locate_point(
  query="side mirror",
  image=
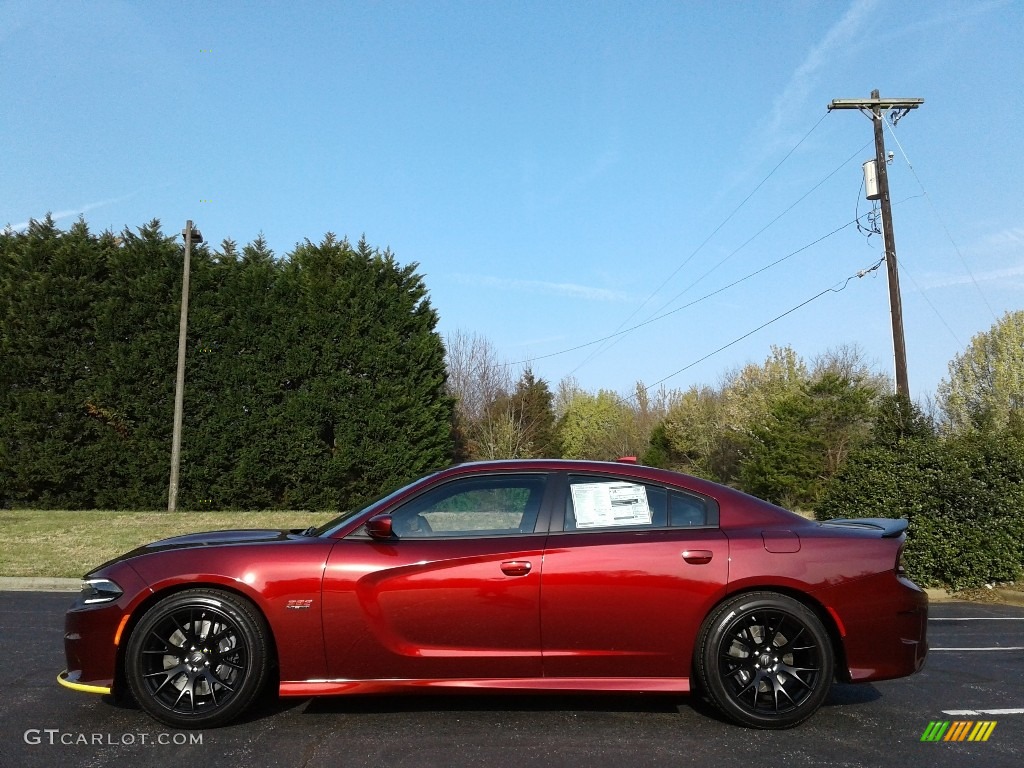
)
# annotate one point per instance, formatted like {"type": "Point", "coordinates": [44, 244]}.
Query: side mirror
{"type": "Point", "coordinates": [380, 528]}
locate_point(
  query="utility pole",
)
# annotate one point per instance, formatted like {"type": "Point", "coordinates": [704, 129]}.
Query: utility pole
{"type": "Point", "coordinates": [873, 108]}
{"type": "Point", "coordinates": [191, 236]}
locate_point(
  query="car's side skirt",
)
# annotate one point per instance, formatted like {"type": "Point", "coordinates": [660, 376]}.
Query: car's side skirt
{"type": "Point", "coordinates": [525, 684]}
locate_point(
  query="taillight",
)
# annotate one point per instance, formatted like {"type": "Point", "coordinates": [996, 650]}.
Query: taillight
{"type": "Point", "coordinates": [900, 570]}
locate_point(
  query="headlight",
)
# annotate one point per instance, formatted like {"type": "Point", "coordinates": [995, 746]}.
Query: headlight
{"type": "Point", "coordinates": [99, 591]}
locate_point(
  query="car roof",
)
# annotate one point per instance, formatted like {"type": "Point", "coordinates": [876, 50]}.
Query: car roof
{"type": "Point", "coordinates": [626, 469]}
{"type": "Point", "coordinates": [743, 509]}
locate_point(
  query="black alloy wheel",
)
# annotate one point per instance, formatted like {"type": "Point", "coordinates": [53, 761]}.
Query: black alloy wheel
{"type": "Point", "coordinates": [765, 660]}
{"type": "Point", "coordinates": [197, 659]}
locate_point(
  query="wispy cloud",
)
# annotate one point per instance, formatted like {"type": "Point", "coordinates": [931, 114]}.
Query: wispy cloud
{"type": "Point", "coordinates": [946, 17]}
{"type": "Point", "coordinates": [1011, 236]}
{"type": "Point", "coordinates": [778, 128]}
{"type": "Point", "coordinates": [839, 36]}
{"type": "Point", "coordinates": [57, 216]}
{"type": "Point", "coordinates": [572, 290]}
{"type": "Point", "coordinates": [948, 281]}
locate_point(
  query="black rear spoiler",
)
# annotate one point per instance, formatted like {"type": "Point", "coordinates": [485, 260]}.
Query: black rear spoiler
{"type": "Point", "coordinates": [890, 528]}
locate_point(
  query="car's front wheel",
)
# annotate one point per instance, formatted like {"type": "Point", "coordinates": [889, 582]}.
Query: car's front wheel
{"type": "Point", "coordinates": [765, 660]}
{"type": "Point", "coordinates": [197, 658]}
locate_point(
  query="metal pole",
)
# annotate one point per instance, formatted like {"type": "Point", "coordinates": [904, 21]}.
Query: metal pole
{"type": "Point", "coordinates": [899, 343]}
{"type": "Point", "coordinates": [179, 385]}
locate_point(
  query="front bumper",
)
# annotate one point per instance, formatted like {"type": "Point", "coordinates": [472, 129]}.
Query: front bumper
{"type": "Point", "coordinates": [70, 680]}
{"type": "Point", "coordinates": [92, 632]}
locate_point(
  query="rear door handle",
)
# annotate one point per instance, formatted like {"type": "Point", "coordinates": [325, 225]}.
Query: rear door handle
{"type": "Point", "coordinates": [698, 556]}
{"type": "Point", "coordinates": [516, 567]}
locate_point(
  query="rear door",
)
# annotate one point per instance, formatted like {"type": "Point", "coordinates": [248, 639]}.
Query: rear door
{"type": "Point", "coordinates": [629, 578]}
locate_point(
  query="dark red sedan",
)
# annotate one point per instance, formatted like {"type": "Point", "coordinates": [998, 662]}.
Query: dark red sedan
{"type": "Point", "coordinates": [541, 575]}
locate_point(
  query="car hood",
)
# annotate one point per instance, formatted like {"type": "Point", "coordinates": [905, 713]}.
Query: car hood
{"type": "Point", "coordinates": [220, 537]}
{"type": "Point", "coordinates": [207, 539]}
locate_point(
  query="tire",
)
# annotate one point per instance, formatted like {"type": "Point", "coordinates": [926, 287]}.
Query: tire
{"type": "Point", "coordinates": [765, 660]}
{"type": "Point", "coordinates": [197, 659]}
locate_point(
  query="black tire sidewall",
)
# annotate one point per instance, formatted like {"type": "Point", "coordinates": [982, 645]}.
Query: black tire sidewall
{"type": "Point", "coordinates": [250, 625]}
{"type": "Point", "coordinates": [708, 675]}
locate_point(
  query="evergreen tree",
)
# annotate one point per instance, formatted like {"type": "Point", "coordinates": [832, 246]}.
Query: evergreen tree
{"type": "Point", "coordinates": [369, 407]}
{"type": "Point", "coordinates": [137, 342]}
{"type": "Point", "coordinates": [534, 400]}
{"type": "Point", "coordinates": [49, 281]}
{"type": "Point", "coordinates": [517, 425]}
{"type": "Point", "coordinates": [311, 381]}
{"type": "Point", "coordinates": [806, 440]}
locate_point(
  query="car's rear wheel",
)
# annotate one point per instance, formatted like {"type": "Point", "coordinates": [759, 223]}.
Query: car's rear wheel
{"type": "Point", "coordinates": [765, 660]}
{"type": "Point", "coordinates": [197, 659]}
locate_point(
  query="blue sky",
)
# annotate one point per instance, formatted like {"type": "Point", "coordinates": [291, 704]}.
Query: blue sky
{"type": "Point", "coordinates": [558, 170]}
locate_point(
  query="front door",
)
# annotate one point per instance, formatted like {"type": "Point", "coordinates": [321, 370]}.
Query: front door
{"type": "Point", "coordinates": [456, 595]}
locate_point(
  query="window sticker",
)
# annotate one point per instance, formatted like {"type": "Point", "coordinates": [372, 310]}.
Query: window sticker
{"type": "Point", "coordinates": [602, 505]}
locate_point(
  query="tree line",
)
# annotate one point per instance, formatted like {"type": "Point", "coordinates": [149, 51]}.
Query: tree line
{"type": "Point", "coordinates": [780, 429]}
{"type": "Point", "coordinates": [318, 379]}
{"type": "Point", "coordinates": [826, 437]}
{"type": "Point", "coordinates": [312, 381]}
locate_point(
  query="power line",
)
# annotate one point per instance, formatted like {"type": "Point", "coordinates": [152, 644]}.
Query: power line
{"type": "Point", "coordinates": [729, 256]}
{"type": "Point", "coordinates": [775, 319]}
{"type": "Point", "coordinates": [910, 274]}
{"type": "Point", "coordinates": [706, 240]}
{"type": "Point", "coordinates": [769, 224]}
{"type": "Point", "coordinates": [656, 318]}
{"type": "Point", "coordinates": [935, 212]}
{"type": "Point", "coordinates": [938, 314]}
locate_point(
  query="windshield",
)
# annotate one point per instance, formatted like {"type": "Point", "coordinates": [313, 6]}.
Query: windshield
{"type": "Point", "coordinates": [331, 526]}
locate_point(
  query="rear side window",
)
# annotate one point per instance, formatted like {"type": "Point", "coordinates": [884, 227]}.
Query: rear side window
{"type": "Point", "coordinates": [599, 503]}
{"type": "Point", "coordinates": [686, 510]}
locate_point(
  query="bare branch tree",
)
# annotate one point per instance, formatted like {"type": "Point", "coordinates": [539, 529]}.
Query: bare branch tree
{"type": "Point", "coordinates": [477, 377]}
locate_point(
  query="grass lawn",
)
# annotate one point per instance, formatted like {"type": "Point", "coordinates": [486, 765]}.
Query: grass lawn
{"type": "Point", "coordinates": [68, 544]}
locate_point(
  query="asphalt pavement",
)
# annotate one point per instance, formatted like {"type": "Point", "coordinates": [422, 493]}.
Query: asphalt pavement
{"type": "Point", "coordinates": [975, 673]}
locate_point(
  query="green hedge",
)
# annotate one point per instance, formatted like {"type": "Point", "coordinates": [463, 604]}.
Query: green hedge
{"type": "Point", "coordinates": [312, 381]}
{"type": "Point", "coordinates": [963, 497]}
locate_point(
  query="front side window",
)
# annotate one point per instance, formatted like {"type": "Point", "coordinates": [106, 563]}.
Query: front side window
{"type": "Point", "coordinates": [495, 505]}
{"type": "Point", "coordinates": [600, 503]}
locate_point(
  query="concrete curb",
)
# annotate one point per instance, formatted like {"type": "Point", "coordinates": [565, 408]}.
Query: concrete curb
{"type": "Point", "coordinates": [38, 584]}
{"type": "Point", "coordinates": [982, 596]}
{"type": "Point", "coordinates": [1009, 596]}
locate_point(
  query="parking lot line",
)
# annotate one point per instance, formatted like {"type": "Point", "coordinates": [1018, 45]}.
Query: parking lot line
{"type": "Point", "coordinates": [976, 712]}
{"type": "Point", "coordinates": [976, 618]}
{"type": "Point", "coordinates": [991, 648]}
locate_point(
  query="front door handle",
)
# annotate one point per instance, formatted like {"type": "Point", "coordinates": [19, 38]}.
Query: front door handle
{"type": "Point", "coordinates": [516, 567]}
{"type": "Point", "coordinates": [698, 556]}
